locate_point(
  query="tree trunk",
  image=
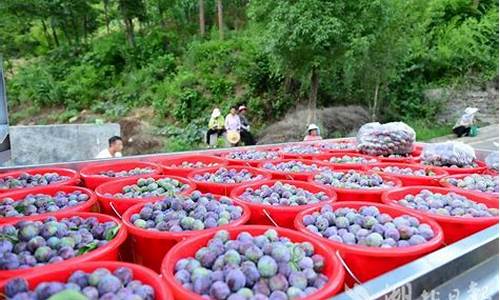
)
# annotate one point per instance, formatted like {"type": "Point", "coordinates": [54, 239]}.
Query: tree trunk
{"type": "Point", "coordinates": [106, 14]}
{"type": "Point", "coordinates": [220, 20]}
{"type": "Point", "coordinates": [46, 33]}
{"type": "Point", "coordinates": [54, 33]}
{"type": "Point", "coordinates": [375, 101]}
{"type": "Point", "coordinates": [313, 96]}
{"type": "Point", "coordinates": [201, 5]}
{"type": "Point", "coordinates": [129, 30]}
{"type": "Point", "coordinates": [75, 28]}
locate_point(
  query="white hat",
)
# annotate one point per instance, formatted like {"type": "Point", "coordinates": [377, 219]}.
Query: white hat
{"type": "Point", "coordinates": [312, 127]}
{"type": "Point", "coordinates": [243, 107]}
{"type": "Point", "coordinates": [471, 110]}
{"type": "Point", "coordinates": [215, 113]}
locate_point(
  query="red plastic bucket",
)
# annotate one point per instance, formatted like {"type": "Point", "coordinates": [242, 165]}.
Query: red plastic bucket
{"type": "Point", "coordinates": [455, 171]}
{"type": "Point", "coordinates": [92, 179]}
{"type": "Point", "coordinates": [90, 205]}
{"type": "Point", "coordinates": [410, 159]}
{"type": "Point", "coordinates": [279, 215]}
{"type": "Point", "coordinates": [224, 188]}
{"type": "Point", "coordinates": [62, 274]}
{"type": "Point", "coordinates": [411, 180]}
{"type": "Point", "coordinates": [370, 195]}
{"type": "Point", "coordinates": [455, 228]}
{"type": "Point", "coordinates": [110, 251]}
{"type": "Point", "coordinates": [251, 162]}
{"type": "Point", "coordinates": [444, 183]}
{"type": "Point", "coordinates": [74, 177]}
{"type": "Point", "coordinates": [117, 206]}
{"type": "Point", "coordinates": [303, 176]}
{"type": "Point", "coordinates": [168, 169]}
{"type": "Point", "coordinates": [333, 268]}
{"type": "Point", "coordinates": [343, 166]}
{"type": "Point", "coordinates": [148, 248]}
{"type": "Point", "coordinates": [366, 262]}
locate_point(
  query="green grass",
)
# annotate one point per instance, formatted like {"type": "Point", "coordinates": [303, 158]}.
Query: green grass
{"type": "Point", "coordinates": [427, 130]}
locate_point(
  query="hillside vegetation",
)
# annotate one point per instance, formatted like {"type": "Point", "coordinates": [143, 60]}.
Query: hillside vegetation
{"type": "Point", "coordinates": [181, 58]}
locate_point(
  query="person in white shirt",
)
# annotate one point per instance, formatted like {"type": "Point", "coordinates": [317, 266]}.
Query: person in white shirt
{"type": "Point", "coordinates": [114, 149]}
{"type": "Point", "coordinates": [232, 124]}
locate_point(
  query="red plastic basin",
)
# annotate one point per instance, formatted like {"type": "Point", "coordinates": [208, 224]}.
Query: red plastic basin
{"type": "Point", "coordinates": [455, 228]}
{"type": "Point", "coordinates": [148, 248]}
{"type": "Point", "coordinates": [411, 180]}
{"type": "Point", "coordinates": [62, 274]}
{"type": "Point", "coordinates": [113, 206]}
{"type": "Point", "coordinates": [168, 169]}
{"type": "Point", "coordinates": [455, 171]}
{"type": "Point", "coordinates": [303, 176]}
{"type": "Point", "coordinates": [251, 162]}
{"type": "Point", "coordinates": [110, 251]}
{"type": "Point", "coordinates": [92, 179]}
{"type": "Point", "coordinates": [224, 188]}
{"type": "Point", "coordinates": [444, 183]}
{"type": "Point", "coordinates": [74, 177]}
{"type": "Point", "coordinates": [333, 268]}
{"type": "Point", "coordinates": [281, 215]}
{"type": "Point", "coordinates": [343, 166]}
{"type": "Point", "coordinates": [90, 205]}
{"type": "Point", "coordinates": [370, 195]}
{"type": "Point", "coordinates": [369, 262]}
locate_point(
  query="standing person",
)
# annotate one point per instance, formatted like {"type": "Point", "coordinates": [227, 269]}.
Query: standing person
{"type": "Point", "coordinates": [312, 133]}
{"type": "Point", "coordinates": [233, 127]}
{"type": "Point", "coordinates": [115, 147]}
{"type": "Point", "coordinates": [246, 135]}
{"type": "Point", "coordinates": [215, 125]}
{"type": "Point", "coordinates": [464, 124]}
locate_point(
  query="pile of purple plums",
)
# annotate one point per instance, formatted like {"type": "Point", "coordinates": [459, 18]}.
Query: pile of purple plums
{"type": "Point", "coordinates": [184, 213]}
{"type": "Point", "coordinates": [30, 244]}
{"type": "Point", "coordinates": [367, 226]}
{"type": "Point", "coordinates": [101, 284]}
{"type": "Point", "coordinates": [34, 204]}
{"type": "Point", "coordinates": [26, 180]}
{"type": "Point", "coordinates": [264, 266]}
{"type": "Point", "coordinates": [449, 204]}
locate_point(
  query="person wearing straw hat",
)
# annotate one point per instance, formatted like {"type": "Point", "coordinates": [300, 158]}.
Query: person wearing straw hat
{"type": "Point", "coordinates": [464, 124]}
{"type": "Point", "coordinates": [312, 133]}
{"type": "Point", "coordinates": [215, 127]}
{"type": "Point", "coordinates": [232, 124]}
{"type": "Point", "coordinates": [246, 135]}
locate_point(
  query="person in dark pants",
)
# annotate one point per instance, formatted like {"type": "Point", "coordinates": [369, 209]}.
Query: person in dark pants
{"type": "Point", "coordinates": [246, 135]}
{"type": "Point", "coordinates": [464, 124]}
{"type": "Point", "coordinates": [215, 125]}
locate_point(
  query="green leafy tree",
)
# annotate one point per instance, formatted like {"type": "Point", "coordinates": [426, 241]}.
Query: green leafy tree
{"type": "Point", "coordinates": [131, 9]}
{"type": "Point", "coordinates": [304, 37]}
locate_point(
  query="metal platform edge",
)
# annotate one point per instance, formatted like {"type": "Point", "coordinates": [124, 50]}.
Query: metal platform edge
{"type": "Point", "coordinates": [423, 278]}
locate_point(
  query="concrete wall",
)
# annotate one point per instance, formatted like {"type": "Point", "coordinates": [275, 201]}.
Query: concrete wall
{"type": "Point", "coordinates": [58, 143]}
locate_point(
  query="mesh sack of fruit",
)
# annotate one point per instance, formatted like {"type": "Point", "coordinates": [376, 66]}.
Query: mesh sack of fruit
{"type": "Point", "coordinates": [449, 154]}
{"type": "Point", "coordinates": [385, 139]}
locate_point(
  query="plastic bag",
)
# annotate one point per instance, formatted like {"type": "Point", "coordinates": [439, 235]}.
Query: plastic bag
{"type": "Point", "coordinates": [394, 138]}
{"type": "Point", "coordinates": [449, 154]}
{"type": "Point", "coordinates": [492, 161]}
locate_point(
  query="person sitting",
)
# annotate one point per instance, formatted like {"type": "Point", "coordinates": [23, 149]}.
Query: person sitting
{"type": "Point", "coordinates": [233, 127]}
{"type": "Point", "coordinates": [215, 126]}
{"type": "Point", "coordinates": [464, 124]}
{"type": "Point", "coordinates": [313, 133]}
{"type": "Point", "coordinates": [246, 135]}
{"type": "Point", "coordinates": [115, 147]}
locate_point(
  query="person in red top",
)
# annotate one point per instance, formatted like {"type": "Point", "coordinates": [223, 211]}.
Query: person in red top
{"type": "Point", "coordinates": [313, 133]}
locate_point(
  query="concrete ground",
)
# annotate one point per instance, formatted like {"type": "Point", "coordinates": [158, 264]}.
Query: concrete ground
{"type": "Point", "coordinates": [483, 141]}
